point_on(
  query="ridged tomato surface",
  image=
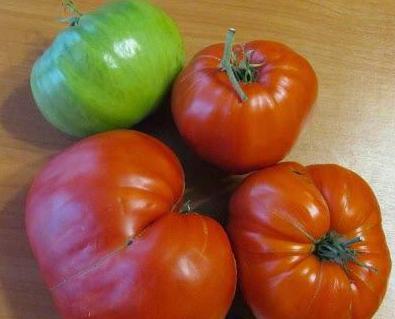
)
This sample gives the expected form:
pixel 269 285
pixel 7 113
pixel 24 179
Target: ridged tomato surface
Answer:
pixel 103 224
pixel 278 217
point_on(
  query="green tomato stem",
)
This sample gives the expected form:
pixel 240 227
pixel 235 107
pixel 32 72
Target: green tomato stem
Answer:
pixel 226 64
pixel 70 6
pixel 332 247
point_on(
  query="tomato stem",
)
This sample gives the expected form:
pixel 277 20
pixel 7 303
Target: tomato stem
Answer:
pixel 226 64
pixel 332 247
pixel 70 6
pixel 193 200
pixel 186 207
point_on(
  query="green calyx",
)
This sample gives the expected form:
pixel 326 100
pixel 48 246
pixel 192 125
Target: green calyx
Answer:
pixel 70 6
pixel 239 69
pixel 186 207
pixel 243 69
pixel 332 247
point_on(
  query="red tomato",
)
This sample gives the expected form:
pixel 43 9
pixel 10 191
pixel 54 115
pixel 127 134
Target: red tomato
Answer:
pixel 309 243
pixel 101 219
pixel 241 133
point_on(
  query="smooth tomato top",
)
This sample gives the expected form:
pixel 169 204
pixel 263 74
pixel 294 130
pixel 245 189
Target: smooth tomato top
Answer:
pixel 278 214
pixel 244 136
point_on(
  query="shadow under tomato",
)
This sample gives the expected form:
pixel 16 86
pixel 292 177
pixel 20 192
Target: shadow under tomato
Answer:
pixel 205 184
pixel 239 308
pixel 25 294
pixel 161 125
pixel 20 117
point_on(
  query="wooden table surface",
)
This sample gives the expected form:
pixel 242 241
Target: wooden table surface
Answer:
pixel 351 45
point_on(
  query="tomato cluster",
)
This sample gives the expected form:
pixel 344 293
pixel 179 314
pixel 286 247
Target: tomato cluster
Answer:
pixel 104 217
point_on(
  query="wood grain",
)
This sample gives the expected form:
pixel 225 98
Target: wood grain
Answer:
pixel 351 45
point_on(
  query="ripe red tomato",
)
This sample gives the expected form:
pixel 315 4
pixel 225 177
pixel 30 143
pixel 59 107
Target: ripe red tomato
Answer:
pixel 253 123
pixel 103 224
pixel 309 243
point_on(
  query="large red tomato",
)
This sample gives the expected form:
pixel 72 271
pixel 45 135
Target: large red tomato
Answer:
pixel 103 224
pixel 244 110
pixel 309 243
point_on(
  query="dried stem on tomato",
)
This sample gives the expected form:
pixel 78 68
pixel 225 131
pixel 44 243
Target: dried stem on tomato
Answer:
pixel 71 7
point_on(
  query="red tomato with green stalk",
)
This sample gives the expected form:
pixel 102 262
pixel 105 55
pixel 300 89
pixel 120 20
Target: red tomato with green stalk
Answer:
pixel 309 243
pixel 242 108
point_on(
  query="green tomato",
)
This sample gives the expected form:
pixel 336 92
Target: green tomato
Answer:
pixel 109 69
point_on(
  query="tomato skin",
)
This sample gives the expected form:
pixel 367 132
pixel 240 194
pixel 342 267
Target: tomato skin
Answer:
pixel 244 136
pixel 98 74
pixel 275 217
pixel 102 224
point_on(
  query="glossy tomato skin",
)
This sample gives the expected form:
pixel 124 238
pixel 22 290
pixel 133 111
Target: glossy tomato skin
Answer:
pixel 110 70
pixel 172 270
pixel 275 217
pixel 100 219
pixel 244 136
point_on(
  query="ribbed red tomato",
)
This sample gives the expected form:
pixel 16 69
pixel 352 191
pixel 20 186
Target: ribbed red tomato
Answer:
pixel 103 224
pixel 309 243
pixel 244 109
